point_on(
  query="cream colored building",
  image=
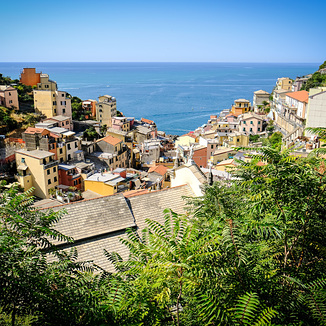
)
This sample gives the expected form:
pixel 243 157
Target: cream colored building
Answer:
pixel 284 83
pixel 186 140
pixel 37 169
pixel 316 112
pixel 49 101
pixel 106 108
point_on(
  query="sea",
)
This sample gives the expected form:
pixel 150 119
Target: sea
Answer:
pixel 179 97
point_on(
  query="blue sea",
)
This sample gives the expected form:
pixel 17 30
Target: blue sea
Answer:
pixel 179 97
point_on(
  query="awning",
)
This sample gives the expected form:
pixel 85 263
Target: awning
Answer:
pixel 22 167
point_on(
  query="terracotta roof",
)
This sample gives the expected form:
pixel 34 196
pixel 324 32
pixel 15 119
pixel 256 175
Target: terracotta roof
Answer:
pixel 192 135
pixel 110 140
pixel 301 96
pixel 147 121
pixel 160 169
pixel 31 130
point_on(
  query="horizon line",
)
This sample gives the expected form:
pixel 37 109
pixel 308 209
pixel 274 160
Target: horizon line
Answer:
pixel 279 62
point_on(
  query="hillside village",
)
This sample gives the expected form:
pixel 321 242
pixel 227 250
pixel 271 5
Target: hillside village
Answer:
pixel 86 156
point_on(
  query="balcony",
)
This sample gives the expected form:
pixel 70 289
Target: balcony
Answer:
pixel 50 165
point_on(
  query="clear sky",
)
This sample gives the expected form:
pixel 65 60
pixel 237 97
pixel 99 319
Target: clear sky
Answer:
pixel 163 31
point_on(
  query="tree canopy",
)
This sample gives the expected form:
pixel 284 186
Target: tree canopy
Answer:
pixel 249 252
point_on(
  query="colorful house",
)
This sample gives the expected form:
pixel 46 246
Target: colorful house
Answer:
pixel 251 123
pixel 69 176
pixel 30 77
pixel 240 106
pixel 9 97
pixel 186 140
pixel 37 169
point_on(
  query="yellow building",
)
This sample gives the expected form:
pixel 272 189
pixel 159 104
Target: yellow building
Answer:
pixel 106 108
pixel 225 165
pixel 37 169
pixel 105 184
pixel 186 140
pixel 284 83
pixel 240 106
pixel 49 101
pixel 222 154
pixel 238 140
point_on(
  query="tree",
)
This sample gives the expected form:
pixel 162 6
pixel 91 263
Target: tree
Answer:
pixel 25 232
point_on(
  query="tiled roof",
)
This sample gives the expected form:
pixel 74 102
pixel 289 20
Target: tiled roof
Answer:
pixel 31 130
pixel 95 217
pixel 160 169
pixel 110 140
pixel 189 135
pixel 152 204
pixel 261 92
pixel 301 96
pixel 99 223
pixel 147 121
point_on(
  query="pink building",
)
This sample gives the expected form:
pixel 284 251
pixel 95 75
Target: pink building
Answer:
pixel 61 121
pixel 251 123
pixel 9 97
pixel 120 123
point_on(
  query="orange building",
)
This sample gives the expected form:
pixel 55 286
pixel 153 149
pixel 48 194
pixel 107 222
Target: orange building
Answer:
pixel 30 77
pixel 240 106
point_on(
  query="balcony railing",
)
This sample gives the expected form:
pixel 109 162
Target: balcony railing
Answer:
pixel 50 164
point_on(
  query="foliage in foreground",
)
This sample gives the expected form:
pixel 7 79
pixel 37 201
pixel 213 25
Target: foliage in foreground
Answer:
pixel 248 253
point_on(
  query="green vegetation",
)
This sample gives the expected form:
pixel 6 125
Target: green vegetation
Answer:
pixel 316 80
pixel 248 253
pixel 6 121
pixel 322 66
pixel 9 120
pixel 25 93
pixel 90 134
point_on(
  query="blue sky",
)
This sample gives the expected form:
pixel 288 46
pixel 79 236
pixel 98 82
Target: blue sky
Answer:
pixel 163 31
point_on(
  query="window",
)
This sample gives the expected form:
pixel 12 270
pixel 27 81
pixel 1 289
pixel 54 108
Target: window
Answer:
pixel 259 122
pixel 251 122
pixel 67 122
pixel 53 95
pixel 68 146
pixel 63 102
pixel 63 95
pixel 54 169
pixel 61 160
pixel 76 145
pixel 258 129
pixel 55 111
pixel 10 101
pixel 212 146
pixel 55 179
pixel 69 157
pixel 63 110
pixel 44 161
pixel 244 122
pixel 238 139
pixel 46 86
pixel 49 181
pixel 250 129
pixel 23 160
pixel 79 181
pixel 9 94
pixel 244 129
pixel 48 171
pixel 60 150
